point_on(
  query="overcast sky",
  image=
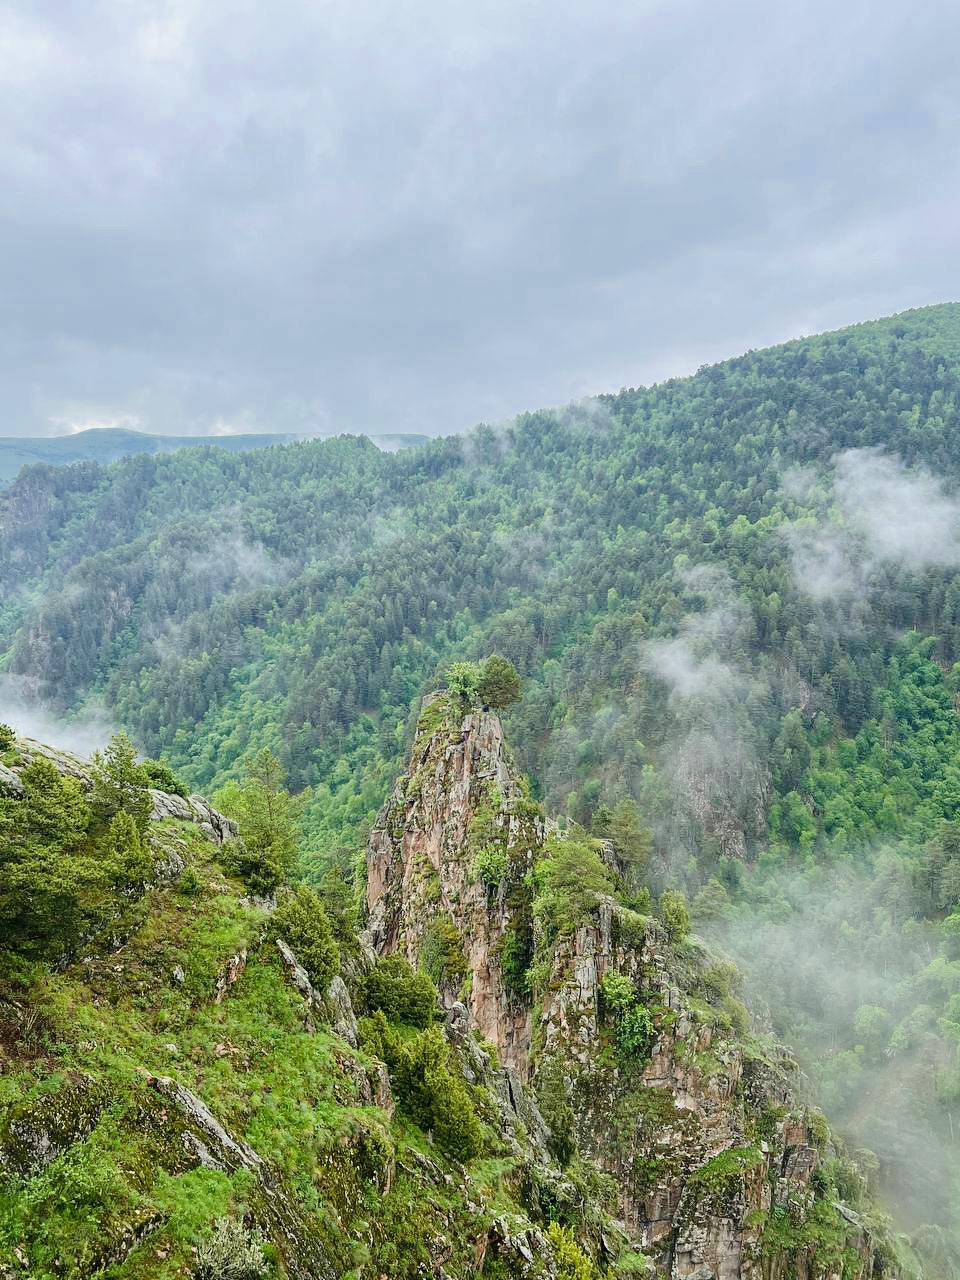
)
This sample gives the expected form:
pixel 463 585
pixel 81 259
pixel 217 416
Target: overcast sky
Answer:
pixel 294 215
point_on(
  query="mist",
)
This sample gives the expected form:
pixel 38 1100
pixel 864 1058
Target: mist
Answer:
pixel 871 512
pixel 711 761
pixel 850 976
pixel 82 734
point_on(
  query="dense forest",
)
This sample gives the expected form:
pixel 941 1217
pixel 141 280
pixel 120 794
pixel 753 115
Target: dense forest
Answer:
pixel 733 600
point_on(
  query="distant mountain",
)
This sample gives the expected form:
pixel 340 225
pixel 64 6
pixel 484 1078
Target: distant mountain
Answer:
pixel 109 444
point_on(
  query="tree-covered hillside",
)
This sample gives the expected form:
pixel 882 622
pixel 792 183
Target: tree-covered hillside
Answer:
pixel 733 599
pixel 647 560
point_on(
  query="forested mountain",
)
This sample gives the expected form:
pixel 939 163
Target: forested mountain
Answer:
pixel 108 444
pixel 733 599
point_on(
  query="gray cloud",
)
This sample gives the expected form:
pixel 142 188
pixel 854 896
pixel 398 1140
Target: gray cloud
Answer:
pixel 374 217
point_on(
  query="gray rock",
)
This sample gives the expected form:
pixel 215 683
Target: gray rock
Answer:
pixel 342 1017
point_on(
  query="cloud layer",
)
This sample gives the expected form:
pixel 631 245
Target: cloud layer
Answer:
pixel 378 217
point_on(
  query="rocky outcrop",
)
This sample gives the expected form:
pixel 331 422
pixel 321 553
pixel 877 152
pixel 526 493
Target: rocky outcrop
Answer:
pixel 719 1173
pixel 425 895
pixel 215 826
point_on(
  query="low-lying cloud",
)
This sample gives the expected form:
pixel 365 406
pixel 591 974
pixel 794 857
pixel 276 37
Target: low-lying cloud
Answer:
pixel 21 708
pixel 872 513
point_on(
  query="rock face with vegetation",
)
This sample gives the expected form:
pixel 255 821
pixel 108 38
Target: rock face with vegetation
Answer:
pixel 446 868
pixel 185 1088
pixel 628 1030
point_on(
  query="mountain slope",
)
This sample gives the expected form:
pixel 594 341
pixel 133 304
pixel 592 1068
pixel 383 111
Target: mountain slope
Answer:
pixel 306 596
pixel 734 602
pixel 104 445
pixel 179 1092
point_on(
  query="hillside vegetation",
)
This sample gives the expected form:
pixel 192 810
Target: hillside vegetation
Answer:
pixel 734 603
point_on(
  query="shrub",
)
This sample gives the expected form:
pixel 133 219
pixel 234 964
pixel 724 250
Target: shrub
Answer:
pixel 7 737
pixel 634 1024
pixel 301 921
pixel 428 1086
pixel 618 991
pixel 572 880
pixel 556 1110
pixel 570 1262
pixel 463 681
pixel 490 865
pixel 230 1252
pixel 163 778
pixel 269 824
pixel 442 955
pixel 127 857
pixel 675 914
pixel 400 993
pixel 516 952
pixel 635 1031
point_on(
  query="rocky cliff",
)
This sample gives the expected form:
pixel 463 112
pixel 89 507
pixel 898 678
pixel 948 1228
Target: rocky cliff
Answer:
pixel 178 1099
pixel 633 1037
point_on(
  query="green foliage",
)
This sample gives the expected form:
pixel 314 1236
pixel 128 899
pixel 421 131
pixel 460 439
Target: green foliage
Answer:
pixel 230 1252
pixel 7 737
pixel 428 1086
pixel 675 914
pixel 635 1027
pixel 269 828
pixel 463 681
pixel 490 864
pixel 301 921
pixel 572 879
pixel 60 878
pixel 120 784
pixel 402 994
pixel 499 684
pixel 618 991
pixel 631 839
pixel 163 778
pixel 570 1262
pixel 493 683
pixel 556 1110
pixel 443 955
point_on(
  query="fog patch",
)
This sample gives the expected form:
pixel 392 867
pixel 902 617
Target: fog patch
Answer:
pixel 21 708
pixel 871 512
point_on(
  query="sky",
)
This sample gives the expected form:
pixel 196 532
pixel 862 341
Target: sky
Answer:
pixel 219 215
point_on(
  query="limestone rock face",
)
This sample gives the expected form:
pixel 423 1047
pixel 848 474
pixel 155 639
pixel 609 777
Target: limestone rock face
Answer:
pixel 719 1173
pixel 423 891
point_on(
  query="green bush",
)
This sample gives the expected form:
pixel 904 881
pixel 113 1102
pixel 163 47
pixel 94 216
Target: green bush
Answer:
pixel 571 880
pixel 442 956
pixel 556 1110
pixel 570 1262
pixel 633 1021
pixel 7 737
pixel 163 778
pixel 120 784
pixel 402 994
pixel 428 1085
pixel 268 815
pixel 499 684
pixel 301 921
pixel 618 991
pixel 675 914
pixel 490 865
pixel 230 1252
